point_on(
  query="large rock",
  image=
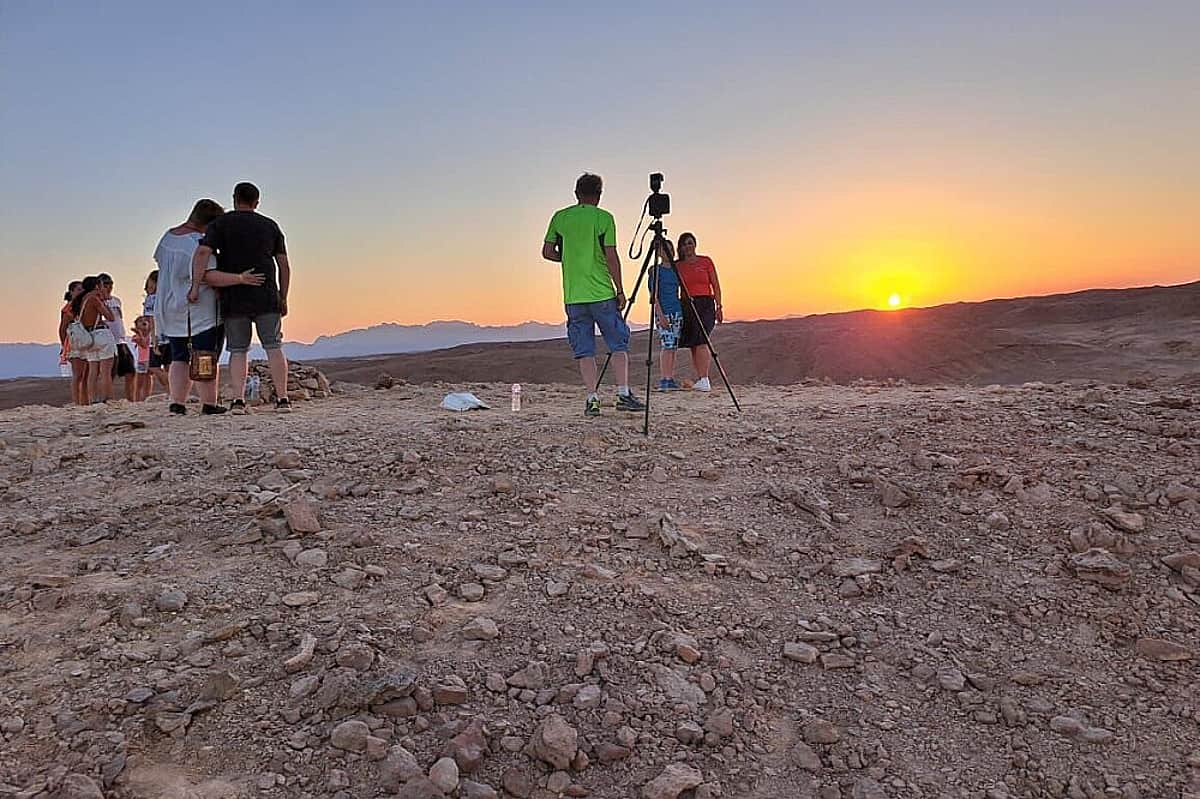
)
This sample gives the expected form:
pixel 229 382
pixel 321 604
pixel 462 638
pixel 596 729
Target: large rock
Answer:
pixel 469 747
pixel 677 687
pixel 78 786
pixel 555 742
pixel 1099 566
pixel 350 736
pixel 444 774
pixel 1158 649
pixel 420 788
pixel 533 676
pixel 398 767
pixel 674 780
pixel 301 515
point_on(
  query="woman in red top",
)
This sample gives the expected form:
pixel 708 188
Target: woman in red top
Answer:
pixel 698 275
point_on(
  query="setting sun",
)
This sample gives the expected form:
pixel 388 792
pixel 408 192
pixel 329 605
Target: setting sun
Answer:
pixel 893 301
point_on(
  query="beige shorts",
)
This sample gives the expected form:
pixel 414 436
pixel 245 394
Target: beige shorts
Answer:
pixel 105 347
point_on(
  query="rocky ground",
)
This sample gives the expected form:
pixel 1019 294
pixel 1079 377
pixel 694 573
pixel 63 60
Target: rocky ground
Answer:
pixel 859 592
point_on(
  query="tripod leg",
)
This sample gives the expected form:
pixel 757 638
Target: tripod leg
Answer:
pixel 628 307
pixel 650 335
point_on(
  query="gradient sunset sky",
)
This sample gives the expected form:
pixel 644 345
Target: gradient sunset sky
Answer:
pixel 826 157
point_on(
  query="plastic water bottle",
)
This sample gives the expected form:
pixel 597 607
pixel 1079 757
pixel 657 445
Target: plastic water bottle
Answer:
pixel 64 369
pixel 253 384
pixel 516 396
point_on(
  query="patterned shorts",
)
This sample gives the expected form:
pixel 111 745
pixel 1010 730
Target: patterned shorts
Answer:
pixel 669 336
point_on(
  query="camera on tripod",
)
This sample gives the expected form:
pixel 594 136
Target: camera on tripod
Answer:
pixel 659 204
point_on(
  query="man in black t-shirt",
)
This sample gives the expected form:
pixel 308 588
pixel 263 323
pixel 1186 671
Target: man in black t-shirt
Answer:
pixel 242 240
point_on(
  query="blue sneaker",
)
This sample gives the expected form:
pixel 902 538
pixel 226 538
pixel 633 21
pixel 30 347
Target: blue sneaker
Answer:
pixel 671 385
pixel 664 385
pixel 628 402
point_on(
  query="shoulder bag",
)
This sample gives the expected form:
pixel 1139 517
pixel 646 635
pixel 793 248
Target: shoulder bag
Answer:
pixel 202 364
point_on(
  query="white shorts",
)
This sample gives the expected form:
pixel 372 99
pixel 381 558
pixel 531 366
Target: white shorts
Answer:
pixel 104 348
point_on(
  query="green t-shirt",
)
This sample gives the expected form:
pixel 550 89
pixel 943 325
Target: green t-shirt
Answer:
pixel 585 230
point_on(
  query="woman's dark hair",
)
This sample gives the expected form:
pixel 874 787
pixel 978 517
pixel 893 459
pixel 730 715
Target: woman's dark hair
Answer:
pixel 71 290
pixel 89 285
pixel 152 276
pixel 682 236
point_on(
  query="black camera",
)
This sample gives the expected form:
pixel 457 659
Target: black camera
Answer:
pixel 659 204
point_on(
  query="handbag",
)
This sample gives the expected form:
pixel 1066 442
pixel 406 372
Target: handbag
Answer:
pixel 202 364
pixel 79 337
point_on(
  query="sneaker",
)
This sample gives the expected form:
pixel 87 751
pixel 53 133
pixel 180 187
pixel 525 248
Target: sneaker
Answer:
pixel 238 407
pixel 671 384
pixel 663 385
pixel 177 410
pixel 702 385
pixel 591 407
pixel 282 405
pixel 628 402
pixel 213 410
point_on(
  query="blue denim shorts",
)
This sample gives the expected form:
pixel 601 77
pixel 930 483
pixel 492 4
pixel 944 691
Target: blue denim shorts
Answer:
pixel 212 339
pixel 583 319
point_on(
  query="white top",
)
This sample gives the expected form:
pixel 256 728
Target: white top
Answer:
pixel 117 326
pixel 174 258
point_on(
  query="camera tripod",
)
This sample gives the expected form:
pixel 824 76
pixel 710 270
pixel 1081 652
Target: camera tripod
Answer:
pixel 652 260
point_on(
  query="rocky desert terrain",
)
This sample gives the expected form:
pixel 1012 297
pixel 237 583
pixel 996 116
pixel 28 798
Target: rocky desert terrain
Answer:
pixel 865 591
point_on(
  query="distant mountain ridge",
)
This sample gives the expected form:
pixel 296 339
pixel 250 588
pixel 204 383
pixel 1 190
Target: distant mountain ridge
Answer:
pixel 41 360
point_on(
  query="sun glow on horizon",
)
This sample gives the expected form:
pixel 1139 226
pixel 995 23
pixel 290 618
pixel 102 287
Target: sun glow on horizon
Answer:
pixel 894 301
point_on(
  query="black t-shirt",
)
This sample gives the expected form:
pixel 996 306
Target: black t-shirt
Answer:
pixel 247 240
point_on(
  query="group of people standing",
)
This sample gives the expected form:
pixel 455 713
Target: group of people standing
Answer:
pixel 112 351
pixel 219 273
pixel 583 238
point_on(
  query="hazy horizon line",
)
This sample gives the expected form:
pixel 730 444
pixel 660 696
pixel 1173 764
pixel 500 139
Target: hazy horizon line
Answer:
pixel 743 320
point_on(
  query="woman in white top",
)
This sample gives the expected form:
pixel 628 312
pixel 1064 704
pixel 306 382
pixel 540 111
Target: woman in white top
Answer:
pixel 186 325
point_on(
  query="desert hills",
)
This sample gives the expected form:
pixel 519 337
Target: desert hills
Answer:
pixel 1103 334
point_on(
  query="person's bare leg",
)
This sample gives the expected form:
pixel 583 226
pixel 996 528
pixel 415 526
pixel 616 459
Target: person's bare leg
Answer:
pixel 85 391
pixel 667 364
pixel 178 382
pixel 621 367
pixel 589 373
pixel 104 380
pixel 239 366
pixel 131 392
pixel 279 373
pixel 78 380
pixel 208 389
pixel 701 359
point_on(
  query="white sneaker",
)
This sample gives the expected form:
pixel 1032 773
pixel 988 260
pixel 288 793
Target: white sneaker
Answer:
pixel 702 385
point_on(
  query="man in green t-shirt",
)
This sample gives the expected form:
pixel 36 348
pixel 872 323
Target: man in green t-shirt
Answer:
pixel 583 238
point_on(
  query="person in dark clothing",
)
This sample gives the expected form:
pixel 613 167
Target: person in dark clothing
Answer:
pixel 242 240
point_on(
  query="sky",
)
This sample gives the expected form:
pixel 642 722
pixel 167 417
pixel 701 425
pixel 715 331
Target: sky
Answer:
pixel 827 156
